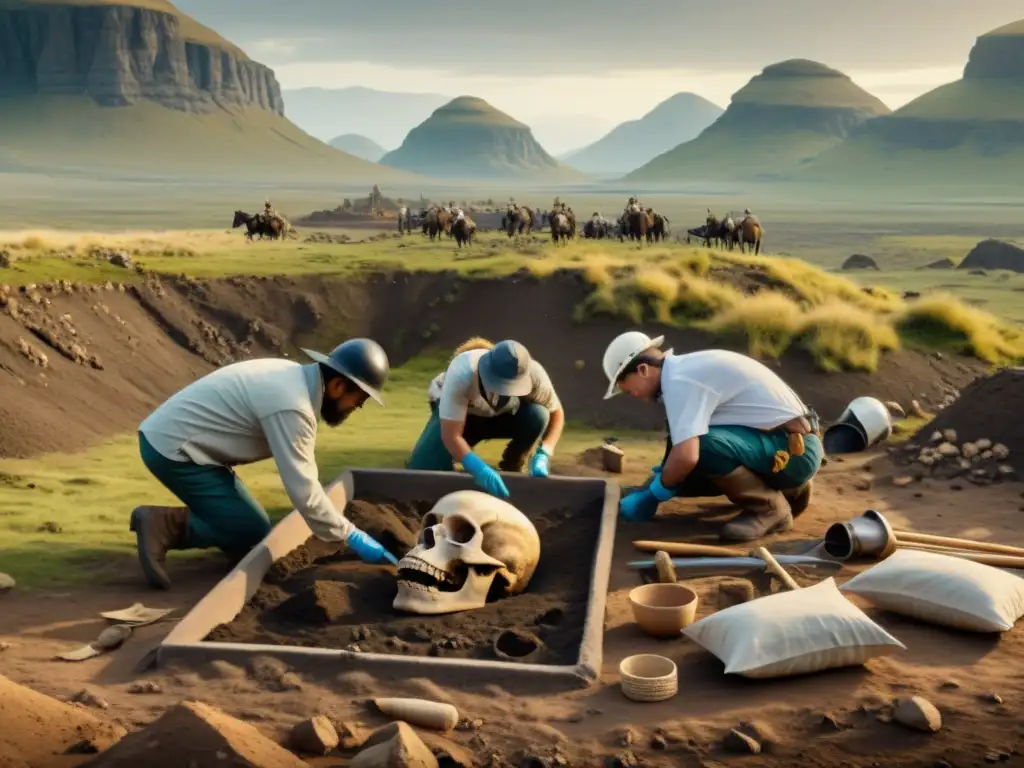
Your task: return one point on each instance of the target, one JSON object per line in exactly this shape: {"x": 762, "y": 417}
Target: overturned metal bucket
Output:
{"x": 867, "y": 536}
{"x": 865, "y": 423}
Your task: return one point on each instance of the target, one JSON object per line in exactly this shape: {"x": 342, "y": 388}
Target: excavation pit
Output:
{"x": 313, "y": 604}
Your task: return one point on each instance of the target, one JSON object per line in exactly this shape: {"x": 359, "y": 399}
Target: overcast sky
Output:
{"x": 543, "y": 61}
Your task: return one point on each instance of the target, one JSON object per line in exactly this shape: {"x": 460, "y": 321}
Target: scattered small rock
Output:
{"x": 145, "y": 686}
{"x": 992, "y": 698}
{"x": 396, "y": 744}
{"x": 896, "y": 409}
{"x": 740, "y": 743}
{"x": 949, "y": 435}
{"x": 351, "y": 735}
{"x": 89, "y": 699}
{"x": 659, "y": 742}
{"x": 627, "y": 737}
{"x": 315, "y": 736}
{"x": 902, "y": 482}
{"x": 949, "y": 685}
{"x": 918, "y": 713}
{"x": 830, "y": 722}
{"x": 7, "y": 583}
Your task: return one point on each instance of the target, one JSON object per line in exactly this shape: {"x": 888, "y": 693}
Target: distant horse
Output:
{"x": 750, "y": 233}
{"x": 639, "y": 224}
{"x": 659, "y": 229}
{"x": 463, "y": 230}
{"x": 561, "y": 229}
{"x": 256, "y": 225}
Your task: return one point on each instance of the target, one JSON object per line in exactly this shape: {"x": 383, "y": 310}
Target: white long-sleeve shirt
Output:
{"x": 247, "y": 412}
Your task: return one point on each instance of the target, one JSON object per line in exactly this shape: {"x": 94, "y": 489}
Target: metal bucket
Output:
{"x": 868, "y": 536}
{"x": 865, "y": 422}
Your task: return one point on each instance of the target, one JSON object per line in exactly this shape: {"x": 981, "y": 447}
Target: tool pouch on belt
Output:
{"x": 807, "y": 424}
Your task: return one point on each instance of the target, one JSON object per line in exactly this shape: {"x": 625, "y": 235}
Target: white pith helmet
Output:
{"x": 620, "y": 352}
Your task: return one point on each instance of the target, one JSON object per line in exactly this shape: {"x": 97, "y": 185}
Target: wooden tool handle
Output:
{"x": 679, "y": 549}
{"x": 946, "y": 541}
{"x": 775, "y": 568}
{"x": 985, "y": 558}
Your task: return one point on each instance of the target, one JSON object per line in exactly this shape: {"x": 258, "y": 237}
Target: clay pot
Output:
{"x": 663, "y": 610}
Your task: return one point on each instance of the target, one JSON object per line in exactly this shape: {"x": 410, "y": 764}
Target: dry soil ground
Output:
{"x": 975, "y": 681}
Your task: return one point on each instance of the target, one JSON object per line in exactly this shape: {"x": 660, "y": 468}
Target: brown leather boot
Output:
{"x": 765, "y": 510}
{"x": 157, "y": 531}
{"x": 799, "y": 498}
{"x": 513, "y": 463}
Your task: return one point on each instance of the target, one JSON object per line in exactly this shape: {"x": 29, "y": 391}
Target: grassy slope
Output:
{"x": 91, "y": 494}
{"x": 718, "y": 153}
{"x": 73, "y": 133}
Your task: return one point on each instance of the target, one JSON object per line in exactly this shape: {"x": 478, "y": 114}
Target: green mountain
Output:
{"x": 137, "y": 89}
{"x": 359, "y": 146}
{"x": 467, "y": 138}
{"x": 970, "y": 131}
{"x": 789, "y": 113}
{"x": 629, "y": 145}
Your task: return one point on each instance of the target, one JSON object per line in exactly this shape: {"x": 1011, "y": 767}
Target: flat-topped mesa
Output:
{"x": 998, "y": 54}
{"x": 127, "y": 53}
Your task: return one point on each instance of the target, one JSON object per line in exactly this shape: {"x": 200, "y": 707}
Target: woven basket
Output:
{"x": 648, "y": 677}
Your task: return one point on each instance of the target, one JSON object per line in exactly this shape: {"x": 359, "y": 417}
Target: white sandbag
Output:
{"x": 944, "y": 590}
{"x": 793, "y": 633}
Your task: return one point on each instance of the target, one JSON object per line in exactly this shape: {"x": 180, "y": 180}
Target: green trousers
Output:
{"x": 522, "y": 429}
{"x": 724, "y": 449}
{"x": 222, "y": 512}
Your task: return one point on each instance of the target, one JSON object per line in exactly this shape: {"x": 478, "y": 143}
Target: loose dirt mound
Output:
{"x": 112, "y": 356}
{"x": 987, "y": 409}
{"x": 859, "y": 261}
{"x": 994, "y": 254}
{"x": 35, "y": 728}
{"x": 321, "y": 596}
{"x": 194, "y": 733}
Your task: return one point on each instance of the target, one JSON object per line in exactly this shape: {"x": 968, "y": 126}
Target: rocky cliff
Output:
{"x": 126, "y": 54}
{"x": 784, "y": 116}
{"x": 468, "y": 138}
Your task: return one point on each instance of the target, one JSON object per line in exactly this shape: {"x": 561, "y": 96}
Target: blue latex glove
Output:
{"x": 486, "y": 477}
{"x": 369, "y": 549}
{"x": 659, "y": 491}
{"x": 657, "y": 468}
{"x": 638, "y": 507}
{"x": 540, "y": 464}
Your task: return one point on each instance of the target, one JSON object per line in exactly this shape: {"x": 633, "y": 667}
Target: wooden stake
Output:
{"x": 775, "y": 568}
{"x": 985, "y": 558}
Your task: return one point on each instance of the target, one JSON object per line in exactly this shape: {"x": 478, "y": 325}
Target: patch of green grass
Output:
{"x": 805, "y": 83}
{"x": 90, "y": 495}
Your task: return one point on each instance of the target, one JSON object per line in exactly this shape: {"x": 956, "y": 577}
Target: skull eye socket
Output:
{"x": 460, "y": 530}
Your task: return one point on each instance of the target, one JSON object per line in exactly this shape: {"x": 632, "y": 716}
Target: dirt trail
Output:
{"x": 112, "y": 353}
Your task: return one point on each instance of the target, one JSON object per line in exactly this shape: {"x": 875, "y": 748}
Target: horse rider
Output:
{"x": 490, "y": 392}
{"x": 458, "y": 215}
{"x": 243, "y": 413}
{"x": 268, "y": 211}
{"x": 735, "y": 428}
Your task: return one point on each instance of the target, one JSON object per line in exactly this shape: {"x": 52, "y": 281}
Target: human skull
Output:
{"x": 472, "y": 547}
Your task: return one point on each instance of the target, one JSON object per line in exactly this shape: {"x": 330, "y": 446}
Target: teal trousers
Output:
{"x": 222, "y": 512}
{"x": 522, "y": 429}
{"x": 724, "y": 449}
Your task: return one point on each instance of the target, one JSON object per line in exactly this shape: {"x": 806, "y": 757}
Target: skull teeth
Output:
{"x": 438, "y": 575}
